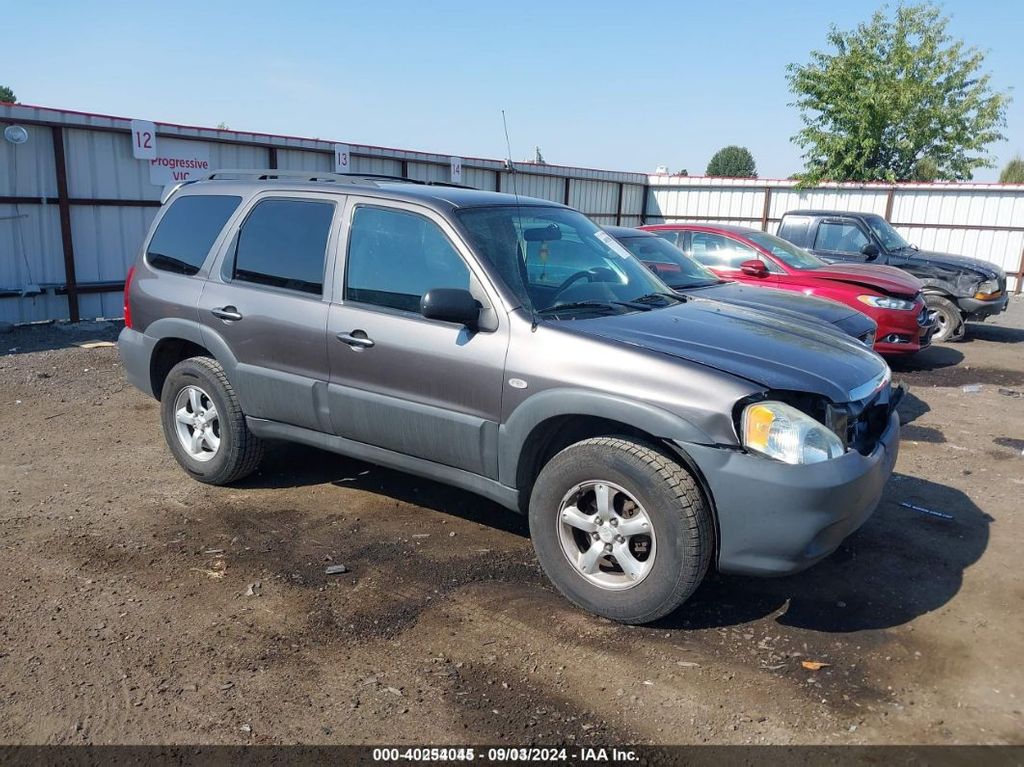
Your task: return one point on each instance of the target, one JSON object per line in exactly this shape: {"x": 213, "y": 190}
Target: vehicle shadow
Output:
{"x": 933, "y": 358}
{"x": 901, "y": 564}
{"x": 911, "y": 408}
{"x": 983, "y": 331}
{"x": 293, "y": 465}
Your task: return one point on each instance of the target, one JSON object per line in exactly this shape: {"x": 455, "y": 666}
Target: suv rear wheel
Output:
{"x": 620, "y": 529}
{"x": 204, "y": 425}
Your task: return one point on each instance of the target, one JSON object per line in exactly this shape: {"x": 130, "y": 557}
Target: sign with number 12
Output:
{"x": 143, "y": 140}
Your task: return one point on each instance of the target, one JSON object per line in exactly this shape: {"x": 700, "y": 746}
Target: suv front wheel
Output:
{"x": 620, "y": 529}
{"x": 204, "y": 425}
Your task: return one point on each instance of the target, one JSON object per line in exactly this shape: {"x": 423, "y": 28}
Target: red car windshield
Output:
{"x": 786, "y": 252}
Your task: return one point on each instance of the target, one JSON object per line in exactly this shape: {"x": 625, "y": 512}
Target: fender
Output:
{"x": 564, "y": 401}
{"x": 190, "y": 330}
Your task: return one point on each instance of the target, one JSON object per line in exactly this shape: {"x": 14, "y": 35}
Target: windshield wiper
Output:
{"x": 605, "y": 305}
{"x": 652, "y": 297}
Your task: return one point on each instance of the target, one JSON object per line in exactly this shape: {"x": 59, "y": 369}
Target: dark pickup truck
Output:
{"x": 958, "y": 289}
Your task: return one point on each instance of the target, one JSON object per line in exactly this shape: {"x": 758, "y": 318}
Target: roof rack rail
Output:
{"x": 305, "y": 175}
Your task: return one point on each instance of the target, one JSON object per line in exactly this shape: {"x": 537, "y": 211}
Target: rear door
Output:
{"x": 399, "y": 381}
{"x": 266, "y": 301}
{"x": 841, "y": 239}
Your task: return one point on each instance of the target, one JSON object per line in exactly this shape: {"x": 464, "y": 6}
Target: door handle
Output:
{"x": 229, "y": 313}
{"x": 356, "y": 341}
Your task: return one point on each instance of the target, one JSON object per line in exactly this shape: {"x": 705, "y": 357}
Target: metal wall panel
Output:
{"x": 299, "y": 159}
{"x": 26, "y": 170}
{"x": 100, "y": 166}
{"x": 31, "y": 255}
{"x": 594, "y": 197}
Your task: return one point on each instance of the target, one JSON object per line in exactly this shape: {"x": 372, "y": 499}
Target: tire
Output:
{"x": 654, "y": 489}
{"x": 238, "y": 451}
{"x": 951, "y": 320}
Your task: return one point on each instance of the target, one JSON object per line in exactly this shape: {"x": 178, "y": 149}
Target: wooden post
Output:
{"x": 766, "y": 209}
{"x": 64, "y": 207}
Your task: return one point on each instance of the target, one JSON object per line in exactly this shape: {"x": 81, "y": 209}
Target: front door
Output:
{"x": 399, "y": 381}
{"x": 841, "y": 239}
{"x": 266, "y": 301}
{"x": 724, "y": 255}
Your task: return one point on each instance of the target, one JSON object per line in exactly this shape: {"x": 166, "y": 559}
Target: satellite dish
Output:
{"x": 15, "y": 134}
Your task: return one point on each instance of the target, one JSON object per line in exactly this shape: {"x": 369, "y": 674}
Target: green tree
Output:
{"x": 1013, "y": 172}
{"x": 926, "y": 169}
{"x": 891, "y": 92}
{"x": 6, "y": 94}
{"x": 734, "y": 161}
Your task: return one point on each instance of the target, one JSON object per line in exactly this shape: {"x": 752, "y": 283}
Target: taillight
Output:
{"x": 127, "y": 303}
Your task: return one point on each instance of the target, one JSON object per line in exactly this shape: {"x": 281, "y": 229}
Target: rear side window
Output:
{"x": 283, "y": 243}
{"x": 188, "y": 230}
{"x": 395, "y": 257}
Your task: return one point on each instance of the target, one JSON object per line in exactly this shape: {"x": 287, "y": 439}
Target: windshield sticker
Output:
{"x": 612, "y": 243}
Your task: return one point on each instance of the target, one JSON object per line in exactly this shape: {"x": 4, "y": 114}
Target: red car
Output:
{"x": 890, "y": 296}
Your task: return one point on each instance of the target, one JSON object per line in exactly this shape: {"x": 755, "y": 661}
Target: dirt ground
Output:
{"x": 139, "y": 606}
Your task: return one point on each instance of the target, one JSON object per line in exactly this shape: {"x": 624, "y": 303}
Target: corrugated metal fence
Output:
{"x": 75, "y": 204}
{"x": 980, "y": 220}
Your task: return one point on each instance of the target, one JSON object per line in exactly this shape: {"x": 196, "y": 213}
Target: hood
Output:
{"x": 882, "y": 279}
{"x": 785, "y": 301}
{"x": 772, "y": 351}
{"x": 949, "y": 261}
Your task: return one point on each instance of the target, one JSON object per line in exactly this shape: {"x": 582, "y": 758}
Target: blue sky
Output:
{"x": 620, "y": 85}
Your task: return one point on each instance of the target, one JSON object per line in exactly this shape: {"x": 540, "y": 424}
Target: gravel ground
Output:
{"x": 141, "y": 607}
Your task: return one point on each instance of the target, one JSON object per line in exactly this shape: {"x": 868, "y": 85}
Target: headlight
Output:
{"x": 780, "y": 431}
{"x": 886, "y": 302}
{"x": 987, "y": 290}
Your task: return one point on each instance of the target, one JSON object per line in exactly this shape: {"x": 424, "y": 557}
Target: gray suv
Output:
{"x": 508, "y": 346}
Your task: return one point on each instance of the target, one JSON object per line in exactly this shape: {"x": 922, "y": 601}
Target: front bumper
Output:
{"x": 975, "y": 309}
{"x": 776, "y": 518}
{"x": 902, "y": 333}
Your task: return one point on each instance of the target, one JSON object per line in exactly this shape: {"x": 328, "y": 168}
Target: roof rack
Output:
{"x": 315, "y": 176}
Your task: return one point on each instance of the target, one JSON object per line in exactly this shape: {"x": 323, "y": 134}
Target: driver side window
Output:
{"x": 840, "y": 237}
{"x": 394, "y": 257}
{"x": 720, "y": 252}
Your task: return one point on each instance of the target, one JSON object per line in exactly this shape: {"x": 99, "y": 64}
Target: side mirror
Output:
{"x": 870, "y": 250}
{"x": 451, "y": 305}
{"x": 754, "y": 267}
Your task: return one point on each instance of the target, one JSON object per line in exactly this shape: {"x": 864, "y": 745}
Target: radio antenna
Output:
{"x": 520, "y": 252}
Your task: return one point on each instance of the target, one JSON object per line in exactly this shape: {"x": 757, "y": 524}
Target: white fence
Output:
{"x": 75, "y": 203}
{"x": 980, "y": 220}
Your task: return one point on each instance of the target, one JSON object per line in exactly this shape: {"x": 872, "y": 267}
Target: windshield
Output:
{"x": 786, "y": 252}
{"x": 888, "y": 236}
{"x": 558, "y": 262}
{"x": 668, "y": 262}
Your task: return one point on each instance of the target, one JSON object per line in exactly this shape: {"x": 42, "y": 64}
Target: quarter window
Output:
{"x": 840, "y": 237}
{"x": 394, "y": 257}
{"x": 188, "y": 230}
{"x": 283, "y": 243}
